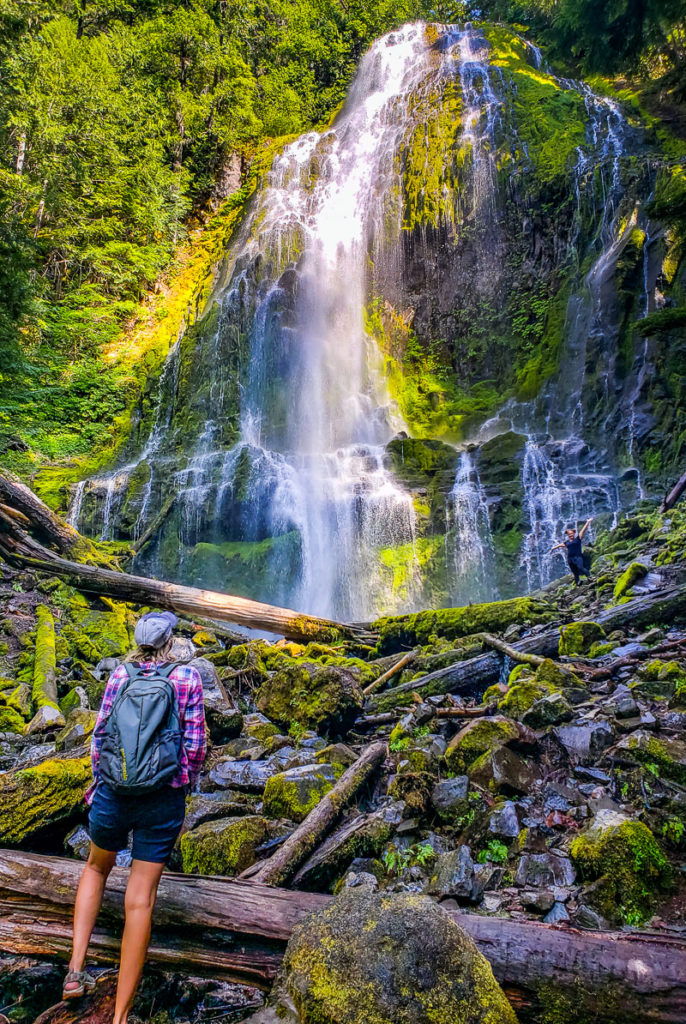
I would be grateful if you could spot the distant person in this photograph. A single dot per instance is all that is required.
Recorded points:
(147, 749)
(575, 554)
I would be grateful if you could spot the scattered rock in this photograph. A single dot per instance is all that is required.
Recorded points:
(584, 739)
(503, 822)
(543, 870)
(448, 797)
(294, 793)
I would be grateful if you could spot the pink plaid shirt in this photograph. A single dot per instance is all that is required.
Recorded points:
(188, 685)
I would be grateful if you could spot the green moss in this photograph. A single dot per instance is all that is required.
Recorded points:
(244, 568)
(666, 755)
(556, 676)
(522, 696)
(93, 634)
(635, 572)
(477, 738)
(597, 650)
(403, 631)
(11, 720)
(44, 690)
(577, 637)
(294, 794)
(36, 797)
(628, 866)
(326, 698)
(224, 847)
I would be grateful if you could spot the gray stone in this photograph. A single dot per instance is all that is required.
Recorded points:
(47, 717)
(540, 900)
(293, 793)
(78, 841)
(504, 822)
(594, 774)
(209, 806)
(79, 726)
(626, 649)
(183, 650)
(505, 770)
(105, 668)
(355, 879)
(449, 794)
(250, 776)
(453, 875)
(586, 917)
(543, 870)
(556, 914)
(549, 710)
(586, 738)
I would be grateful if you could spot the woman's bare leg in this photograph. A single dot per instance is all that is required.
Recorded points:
(139, 902)
(88, 900)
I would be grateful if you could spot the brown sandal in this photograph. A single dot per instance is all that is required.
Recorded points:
(83, 981)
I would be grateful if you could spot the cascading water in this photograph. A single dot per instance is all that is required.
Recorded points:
(309, 484)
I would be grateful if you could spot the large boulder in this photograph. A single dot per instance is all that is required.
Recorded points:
(327, 698)
(34, 797)
(374, 959)
(223, 847)
(294, 793)
(479, 737)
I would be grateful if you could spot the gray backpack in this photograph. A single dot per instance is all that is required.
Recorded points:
(141, 743)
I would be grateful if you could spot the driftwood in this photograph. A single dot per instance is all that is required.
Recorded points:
(18, 548)
(370, 721)
(521, 657)
(224, 928)
(283, 864)
(670, 499)
(475, 674)
(378, 683)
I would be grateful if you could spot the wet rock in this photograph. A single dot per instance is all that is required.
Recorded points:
(556, 914)
(374, 957)
(250, 776)
(105, 667)
(585, 739)
(478, 738)
(80, 725)
(593, 774)
(223, 847)
(448, 797)
(78, 841)
(538, 900)
(454, 875)
(544, 870)
(504, 770)
(259, 727)
(587, 917)
(549, 710)
(294, 793)
(47, 717)
(201, 807)
(326, 699)
(503, 822)
(182, 650)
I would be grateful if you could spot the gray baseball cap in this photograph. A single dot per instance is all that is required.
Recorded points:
(154, 629)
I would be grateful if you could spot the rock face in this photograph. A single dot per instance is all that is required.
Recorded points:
(370, 959)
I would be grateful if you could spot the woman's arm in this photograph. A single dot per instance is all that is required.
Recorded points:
(557, 546)
(194, 739)
(585, 527)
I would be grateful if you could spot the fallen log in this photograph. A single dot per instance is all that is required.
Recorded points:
(400, 664)
(521, 657)
(282, 865)
(670, 499)
(48, 527)
(235, 930)
(474, 675)
(20, 549)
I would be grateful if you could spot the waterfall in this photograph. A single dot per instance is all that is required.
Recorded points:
(302, 456)
(471, 542)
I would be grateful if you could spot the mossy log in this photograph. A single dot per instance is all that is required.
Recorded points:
(670, 499)
(45, 525)
(224, 928)
(44, 661)
(283, 864)
(475, 674)
(18, 548)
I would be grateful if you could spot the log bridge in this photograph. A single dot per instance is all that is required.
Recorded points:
(237, 930)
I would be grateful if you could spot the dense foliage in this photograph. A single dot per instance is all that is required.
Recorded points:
(116, 119)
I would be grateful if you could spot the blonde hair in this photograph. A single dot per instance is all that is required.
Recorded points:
(156, 654)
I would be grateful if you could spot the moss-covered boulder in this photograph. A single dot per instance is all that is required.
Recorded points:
(521, 697)
(372, 959)
(628, 868)
(93, 634)
(631, 575)
(578, 637)
(294, 793)
(11, 720)
(659, 678)
(223, 847)
(665, 756)
(327, 698)
(477, 738)
(399, 632)
(33, 798)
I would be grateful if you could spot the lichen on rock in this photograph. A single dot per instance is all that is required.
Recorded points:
(577, 637)
(32, 798)
(223, 847)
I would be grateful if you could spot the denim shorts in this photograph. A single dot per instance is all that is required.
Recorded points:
(155, 820)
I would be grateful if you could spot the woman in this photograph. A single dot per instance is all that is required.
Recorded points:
(575, 555)
(155, 818)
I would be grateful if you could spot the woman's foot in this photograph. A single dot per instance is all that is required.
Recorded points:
(76, 984)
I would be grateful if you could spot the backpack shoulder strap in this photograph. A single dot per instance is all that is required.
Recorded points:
(164, 671)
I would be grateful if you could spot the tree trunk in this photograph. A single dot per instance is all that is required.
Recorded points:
(670, 500)
(282, 865)
(19, 549)
(223, 928)
(44, 524)
(474, 675)
(405, 660)
(511, 652)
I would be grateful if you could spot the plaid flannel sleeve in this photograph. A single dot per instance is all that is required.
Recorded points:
(194, 741)
(113, 684)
